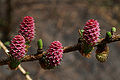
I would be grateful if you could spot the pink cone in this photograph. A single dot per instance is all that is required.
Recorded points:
(27, 28)
(17, 47)
(54, 55)
(91, 31)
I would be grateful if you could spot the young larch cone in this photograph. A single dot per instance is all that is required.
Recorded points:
(17, 51)
(27, 28)
(91, 32)
(53, 57)
(89, 37)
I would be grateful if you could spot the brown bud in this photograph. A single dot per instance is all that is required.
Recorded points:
(85, 49)
(102, 52)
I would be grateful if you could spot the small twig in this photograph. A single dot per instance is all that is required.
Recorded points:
(24, 72)
(4, 48)
(20, 67)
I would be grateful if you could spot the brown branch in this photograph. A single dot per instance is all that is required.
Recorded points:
(67, 49)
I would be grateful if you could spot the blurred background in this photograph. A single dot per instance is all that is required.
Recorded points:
(60, 20)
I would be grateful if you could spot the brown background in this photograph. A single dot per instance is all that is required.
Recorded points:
(60, 20)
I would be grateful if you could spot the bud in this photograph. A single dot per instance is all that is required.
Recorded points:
(85, 49)
(102, 52)
(108, 35)
(113, 29)
(40, 44)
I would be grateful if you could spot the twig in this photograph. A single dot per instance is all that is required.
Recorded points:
(20, 67)
(4, 48)
(24, 72)
(34, 57)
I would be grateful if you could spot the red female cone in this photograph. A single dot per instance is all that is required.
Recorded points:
(53, 57)
(17, 51)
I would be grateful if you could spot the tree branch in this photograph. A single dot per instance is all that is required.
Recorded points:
(66, 49)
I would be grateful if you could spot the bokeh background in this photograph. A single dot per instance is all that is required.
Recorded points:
(60, 20)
